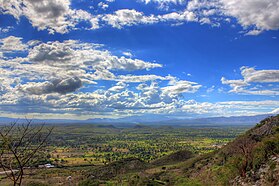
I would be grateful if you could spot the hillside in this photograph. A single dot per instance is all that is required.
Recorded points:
(175, 157)
(251, 159)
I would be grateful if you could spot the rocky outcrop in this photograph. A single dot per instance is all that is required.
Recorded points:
(267, 174)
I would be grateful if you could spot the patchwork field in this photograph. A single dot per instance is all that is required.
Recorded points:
(76, 149)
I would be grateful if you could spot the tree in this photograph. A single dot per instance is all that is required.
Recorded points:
(243, 146)
(21, 145)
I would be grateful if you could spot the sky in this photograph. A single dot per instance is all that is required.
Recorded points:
(81, 59)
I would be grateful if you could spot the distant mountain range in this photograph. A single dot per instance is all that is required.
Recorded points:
(133, 120)
(233, 120)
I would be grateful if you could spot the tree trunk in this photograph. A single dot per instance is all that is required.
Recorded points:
(244, 167)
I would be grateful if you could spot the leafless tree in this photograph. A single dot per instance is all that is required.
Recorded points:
(243, 146)
(246, 148)
(20, 144)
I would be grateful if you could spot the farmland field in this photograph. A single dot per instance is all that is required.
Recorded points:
(73, 145)
(75, 149)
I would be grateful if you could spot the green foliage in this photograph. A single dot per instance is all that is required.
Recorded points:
(103, 145)
(268, 146)
(128, 156)
(111, 170)
(188, 182)
(174, 157)
(249, 151)
(138, 181)
(224, 173)
(259, 156)
(36, 184)
(89, 182)
(272, 144)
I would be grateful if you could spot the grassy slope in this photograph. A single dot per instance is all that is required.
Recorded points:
(242, 157)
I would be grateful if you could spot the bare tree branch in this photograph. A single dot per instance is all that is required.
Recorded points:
(19, 144)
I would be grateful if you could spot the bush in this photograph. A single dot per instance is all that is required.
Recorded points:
(259, 156)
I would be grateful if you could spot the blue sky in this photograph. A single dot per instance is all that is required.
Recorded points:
(116, 58)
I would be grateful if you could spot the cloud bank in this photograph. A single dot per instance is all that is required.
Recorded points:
(255, 82)
(84, 79)
(255, 16)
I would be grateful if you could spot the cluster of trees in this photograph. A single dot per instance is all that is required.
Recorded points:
(104, 145)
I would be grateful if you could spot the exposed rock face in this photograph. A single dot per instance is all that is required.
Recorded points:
(267, 174)
(266, 126)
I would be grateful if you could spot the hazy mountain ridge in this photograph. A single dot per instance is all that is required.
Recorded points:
(133, 120)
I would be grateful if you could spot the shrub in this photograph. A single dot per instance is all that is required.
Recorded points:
(259, 156)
